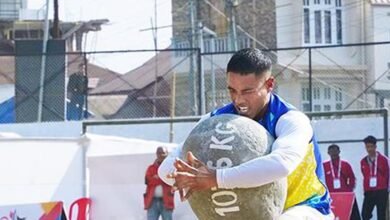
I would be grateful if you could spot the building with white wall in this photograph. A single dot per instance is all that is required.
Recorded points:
(343, 77)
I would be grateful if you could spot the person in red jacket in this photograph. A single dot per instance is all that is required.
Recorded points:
(339, 176)
(159, 197)
(375, 170)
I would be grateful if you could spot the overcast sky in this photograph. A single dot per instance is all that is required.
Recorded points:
(127, 18)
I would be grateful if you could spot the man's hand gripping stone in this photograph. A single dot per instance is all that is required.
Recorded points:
(192, 176)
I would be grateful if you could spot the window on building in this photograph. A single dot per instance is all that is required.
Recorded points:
(328, 27)
(28, 34)
(306, 2)
(305, 94)
(339, 27)
(316, 93)
(306, 107)
(306, 25)
(338, 95)
(322, 23)
(388, 72)
(327, 93)
(324, 98)
(318, 27)
(327, 108)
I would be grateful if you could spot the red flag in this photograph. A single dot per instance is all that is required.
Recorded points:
(342, 204)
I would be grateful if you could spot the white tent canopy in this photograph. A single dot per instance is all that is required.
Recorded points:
(110, 170)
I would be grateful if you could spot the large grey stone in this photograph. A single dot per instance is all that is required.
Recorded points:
(225, 141)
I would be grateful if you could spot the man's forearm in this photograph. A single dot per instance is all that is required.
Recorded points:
(253, 173)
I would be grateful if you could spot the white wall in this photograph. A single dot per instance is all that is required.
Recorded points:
(352, 129)
(40, 170)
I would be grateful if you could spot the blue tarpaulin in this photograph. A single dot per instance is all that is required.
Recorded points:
(7, 111)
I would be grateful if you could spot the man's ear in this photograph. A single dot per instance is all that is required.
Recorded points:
(270, 83)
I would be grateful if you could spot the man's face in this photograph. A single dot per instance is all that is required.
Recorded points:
(370, 148)
(161, 154)
(250, 93)
(334, 153)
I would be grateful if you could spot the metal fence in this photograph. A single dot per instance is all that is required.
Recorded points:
(165, 85)
(318, 79)
(183, 82)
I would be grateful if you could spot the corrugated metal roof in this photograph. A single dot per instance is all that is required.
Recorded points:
(7, 70)
(138, 78)
(380, 2)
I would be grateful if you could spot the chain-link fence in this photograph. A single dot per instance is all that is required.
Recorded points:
(182, 82)
(69, 86)
(316, 79)
(340, 78)
(166, 85)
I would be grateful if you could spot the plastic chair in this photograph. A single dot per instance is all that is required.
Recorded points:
(84, 205)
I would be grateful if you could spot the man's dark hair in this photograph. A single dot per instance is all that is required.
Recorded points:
(250, 60)
(369, 140)
(334, 146)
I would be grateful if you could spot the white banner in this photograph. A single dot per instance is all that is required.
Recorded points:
(117, 178)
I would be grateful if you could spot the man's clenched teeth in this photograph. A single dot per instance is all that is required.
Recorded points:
(242, 109)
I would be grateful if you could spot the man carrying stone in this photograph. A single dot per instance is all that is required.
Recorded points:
(294, 155)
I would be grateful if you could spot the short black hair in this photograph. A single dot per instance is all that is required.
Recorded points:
(334, 146)
(369, 140)
(249, 60)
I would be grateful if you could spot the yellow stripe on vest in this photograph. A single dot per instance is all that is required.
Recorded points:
(303, 182)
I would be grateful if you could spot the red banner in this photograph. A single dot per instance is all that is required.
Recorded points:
(342, 204)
